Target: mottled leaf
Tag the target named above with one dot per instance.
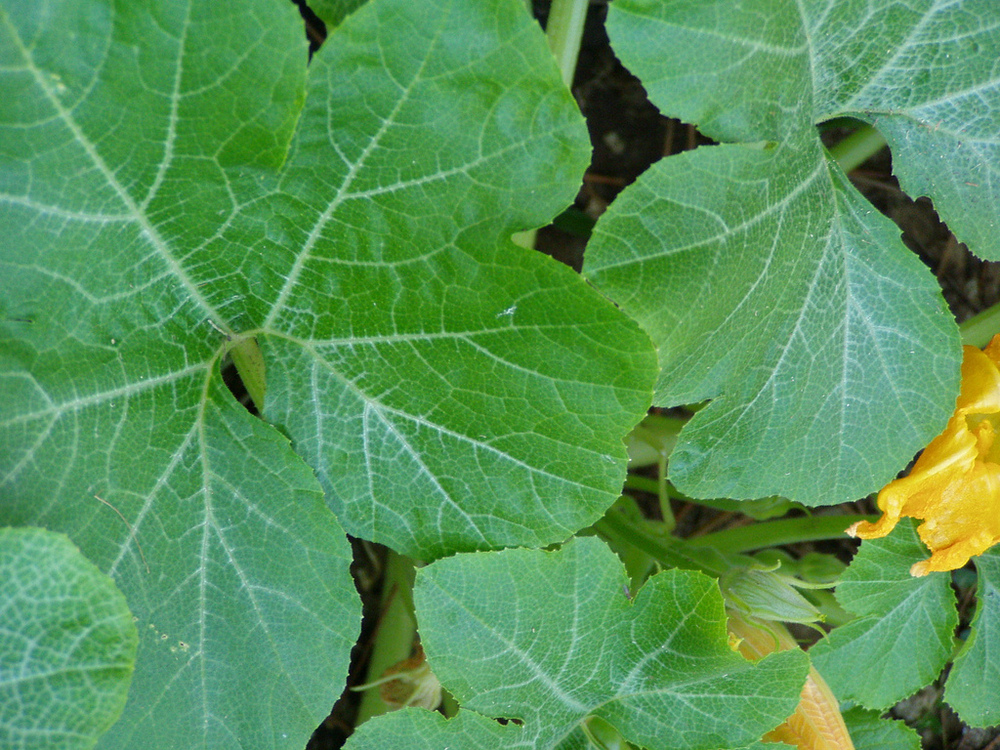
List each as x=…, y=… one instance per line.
x=175, y=186
x=974, y=681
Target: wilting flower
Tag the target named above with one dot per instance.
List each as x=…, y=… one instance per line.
x=954, y=486
x=409, y=682
x=817, y=723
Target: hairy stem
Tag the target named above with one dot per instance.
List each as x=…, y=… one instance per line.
x=394, y=633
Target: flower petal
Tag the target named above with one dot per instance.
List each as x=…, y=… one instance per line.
x=954, y=486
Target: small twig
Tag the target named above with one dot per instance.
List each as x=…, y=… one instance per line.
x=601, y=179
x=131, y=531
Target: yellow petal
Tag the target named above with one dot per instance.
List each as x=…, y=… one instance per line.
x=980, y=392
x=817, y=723
x=954, y=487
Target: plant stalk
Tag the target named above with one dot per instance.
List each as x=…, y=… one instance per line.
x=778, y=533
x=565, y=34
x=980, y=328
x=668, y=551
x=394, y=633
x=858, y=147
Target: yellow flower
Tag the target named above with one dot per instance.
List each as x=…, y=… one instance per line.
x=817, y=723
x=954, y=486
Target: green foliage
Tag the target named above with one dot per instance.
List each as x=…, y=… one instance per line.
x=332, y=12
x=551, y=638
x=870, y=732
x=180, y=186
x=903, y=635
x=173, y=182
x=67, y=644
x=975, y=677
x=474, y=394
x=766, y=281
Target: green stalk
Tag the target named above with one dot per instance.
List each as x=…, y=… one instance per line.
x=394, y=634
x=643, y=484
x=449, y=706
x=858, y=147
x=980, y=328
x=663, y=493
x=655, y=487
x=668, y=551
x=777, y=533
x=565, y=33
x=249, y=362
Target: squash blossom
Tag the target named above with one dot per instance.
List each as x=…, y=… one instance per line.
x=816, y=723
x=954, y=486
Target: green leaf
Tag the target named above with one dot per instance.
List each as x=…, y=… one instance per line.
x=551, y=638
x=235, y=569
x=740, y=71
x=902, y=638
x=249, y=363
x=826, y=363
x=125, y=144
x=67, y=644
x=419, y=729
x=332, y=12
x=975, y=676
x=166, y=188
x=474, y=394
x=871, y=732
x=924, y=75
x=764, y=278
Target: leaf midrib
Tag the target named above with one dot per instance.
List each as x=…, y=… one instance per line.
x=133, y=209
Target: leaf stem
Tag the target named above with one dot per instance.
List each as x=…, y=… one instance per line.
x=980, y=328
x=669, y=551
x=394, y=632
x=663, y=489
x=777, y=533
x=654, y=487
x=565, y=33
x=858, y=147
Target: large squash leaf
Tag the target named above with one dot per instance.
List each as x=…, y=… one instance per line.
x=551, y=640
x=173, y=188
x=975, y=676
x=67, y=644
x=766, y=281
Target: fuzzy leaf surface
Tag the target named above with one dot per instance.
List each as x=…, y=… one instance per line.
x=332, y=12
x=119, y=163
x=766, y=281
x=471, y=394
x=174, y=185
x=925, y=75
x=974, y=680
x=551, y=638
x=902, y=638
x=923, y=72
x=762, y=278
x=67, y=644
x=869, y=731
